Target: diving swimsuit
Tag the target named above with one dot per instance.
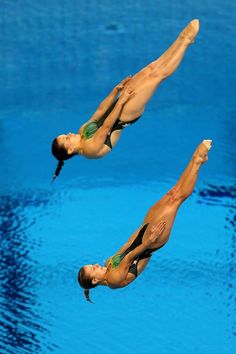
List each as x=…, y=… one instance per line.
x=91, y=127
x=116, y=259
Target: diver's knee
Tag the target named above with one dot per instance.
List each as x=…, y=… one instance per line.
x=175, y=195
x=151, y=66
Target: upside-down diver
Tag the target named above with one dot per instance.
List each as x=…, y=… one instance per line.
x=123, y=106
x=131, y=259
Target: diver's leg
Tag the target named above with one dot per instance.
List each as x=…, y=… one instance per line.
x=171, y=201
x=185, y=185
x=147, y=80
x=185, y=38
x=166, y=208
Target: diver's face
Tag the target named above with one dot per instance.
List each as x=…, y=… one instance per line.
x=69, y=142
x=95, y=272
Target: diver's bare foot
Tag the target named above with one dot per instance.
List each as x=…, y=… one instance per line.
x=202, y=151
x=190, y=31
x=207, y=143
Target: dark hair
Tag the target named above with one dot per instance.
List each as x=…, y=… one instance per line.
x=85, y=283
x=60, y=154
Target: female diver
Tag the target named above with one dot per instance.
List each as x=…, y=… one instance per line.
x=123, y=106
x=131, y=259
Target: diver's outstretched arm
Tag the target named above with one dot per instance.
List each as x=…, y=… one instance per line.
x=119, y=275
x=152, y=234
x=102, y=132
x=107, y=102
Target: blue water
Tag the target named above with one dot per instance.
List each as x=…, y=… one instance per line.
x=58, y=60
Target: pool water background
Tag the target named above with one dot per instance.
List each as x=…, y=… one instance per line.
x=58, y=60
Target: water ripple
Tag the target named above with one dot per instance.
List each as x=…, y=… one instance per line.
x=220, y=195
x=21, y=320
x=225, y=196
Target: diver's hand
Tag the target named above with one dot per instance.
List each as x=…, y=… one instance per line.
x=155, y=231
x=126, y=94
x=122, y=84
